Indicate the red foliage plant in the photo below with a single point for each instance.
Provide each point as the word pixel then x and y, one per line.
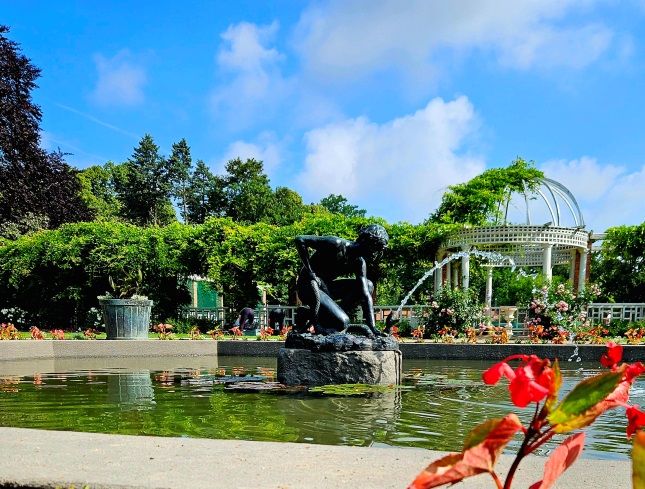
pixel 536 380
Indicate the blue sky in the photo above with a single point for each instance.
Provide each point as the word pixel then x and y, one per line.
pixel 384 102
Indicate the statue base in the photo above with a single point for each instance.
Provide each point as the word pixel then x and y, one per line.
pixel 339 358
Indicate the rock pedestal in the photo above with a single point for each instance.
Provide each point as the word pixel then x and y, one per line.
pixel 340 358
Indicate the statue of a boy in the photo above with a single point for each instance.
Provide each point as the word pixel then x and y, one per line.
pixel 333 279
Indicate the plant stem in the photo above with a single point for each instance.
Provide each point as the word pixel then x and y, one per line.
pixel 496 479
pixel 521 453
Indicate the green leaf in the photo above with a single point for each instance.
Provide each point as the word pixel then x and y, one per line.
pixel 585 396
pixel 638 461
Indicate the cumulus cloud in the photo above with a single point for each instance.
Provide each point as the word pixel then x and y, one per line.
pixel 252 83
pixel 608 195
pixel 587 179
pixel 398 169
pixel 267 151
pixel 120 80
pixel 350 37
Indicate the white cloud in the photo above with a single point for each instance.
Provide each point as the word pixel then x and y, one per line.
pixel 255 85
pixel 351 37
pixel 266 151
pixel 397 170
pixel 608 195
pixel 120 80
pixel 587 179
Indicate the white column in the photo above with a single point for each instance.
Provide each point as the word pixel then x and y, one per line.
pixel 582 271
pixel 438 276
pixel 449 274
pixel 455 275
pixel 489 289
pixel 465 269
pixel 546 262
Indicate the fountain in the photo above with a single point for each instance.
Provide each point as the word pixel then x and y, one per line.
pixel 325 348
pixel 494 257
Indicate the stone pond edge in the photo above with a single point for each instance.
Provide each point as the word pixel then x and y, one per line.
pixel 69 349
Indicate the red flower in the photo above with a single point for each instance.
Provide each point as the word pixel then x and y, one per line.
pixel 613 355
pixel 635 420
pixel 530 382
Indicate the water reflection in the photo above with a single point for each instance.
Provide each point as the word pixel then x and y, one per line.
pixel 131 390
pixel 185 397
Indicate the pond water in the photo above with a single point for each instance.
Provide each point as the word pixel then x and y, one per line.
pixel 184 397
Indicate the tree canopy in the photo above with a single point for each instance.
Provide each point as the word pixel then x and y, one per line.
pixel 339 205
pixel 39 190
pixel 485 198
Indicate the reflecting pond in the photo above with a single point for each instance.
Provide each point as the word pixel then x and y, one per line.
pixel 191 396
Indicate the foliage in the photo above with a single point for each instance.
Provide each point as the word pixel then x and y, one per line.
pixel 409 256
pixel 183 325
pixel 9 332
pixel 98 191
pixel 455 309
pixel 202 195
pixel 246 190
pixel 556 311
pixel 338 204
pixel 619 269
pixel 535 380
pixel 144 184
pixel 164 331
pixel 38 187
pixel 55 276
pixel 179 165
pixel 485 198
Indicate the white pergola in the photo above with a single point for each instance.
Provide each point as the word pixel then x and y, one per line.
pixel 527 245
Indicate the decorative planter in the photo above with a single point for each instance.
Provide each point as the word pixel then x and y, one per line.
pixel 126 319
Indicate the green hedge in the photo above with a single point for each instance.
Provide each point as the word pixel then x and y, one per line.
pixel 56 276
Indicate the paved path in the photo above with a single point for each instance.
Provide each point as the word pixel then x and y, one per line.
pixel 49 459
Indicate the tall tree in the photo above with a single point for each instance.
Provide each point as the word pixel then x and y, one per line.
pixel 145 186
pixel 287 207
pixel 338 204
pixel 247 191
pixel 37 185
pixel 180 164
pixel 98 192
pixel 203 195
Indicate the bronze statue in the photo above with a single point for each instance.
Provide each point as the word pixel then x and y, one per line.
pixel 323 284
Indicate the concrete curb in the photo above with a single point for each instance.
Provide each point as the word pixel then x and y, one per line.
pixel 51 349
pixel 49 459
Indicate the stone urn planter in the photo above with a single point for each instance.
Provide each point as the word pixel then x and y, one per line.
pixel 508 314
pixel 126 319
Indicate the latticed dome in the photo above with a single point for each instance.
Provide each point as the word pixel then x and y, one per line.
pixel 550 202
pixel 542 228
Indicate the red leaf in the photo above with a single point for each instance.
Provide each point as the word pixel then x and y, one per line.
pixel 481 450
pixel 560 460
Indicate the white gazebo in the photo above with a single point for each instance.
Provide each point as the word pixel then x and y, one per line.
pixel 560 238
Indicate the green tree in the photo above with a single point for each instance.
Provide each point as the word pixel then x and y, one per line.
pixel 39 189
pixel 98 191
pixel 339 205
pixel 287 207
pixel 619 269
pixel 247 191
pixel 180 164
pixel 204 194
pixel 485 198
pixel 144 186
